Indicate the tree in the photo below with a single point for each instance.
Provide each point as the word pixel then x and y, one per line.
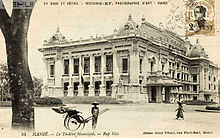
pixel 15 31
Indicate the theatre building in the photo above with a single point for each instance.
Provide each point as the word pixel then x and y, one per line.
pixel 140 63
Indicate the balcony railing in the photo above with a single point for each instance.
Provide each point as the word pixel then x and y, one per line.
pixel 65 75
pixel 108 72
pixel 97 73
pixel 194 81
pixel 75 74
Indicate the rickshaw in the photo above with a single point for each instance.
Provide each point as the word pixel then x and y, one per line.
pixel 73 121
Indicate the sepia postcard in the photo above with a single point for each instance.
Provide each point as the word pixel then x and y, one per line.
pixel 109 68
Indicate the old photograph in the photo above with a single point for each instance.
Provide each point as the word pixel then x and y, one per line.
pixel 109 68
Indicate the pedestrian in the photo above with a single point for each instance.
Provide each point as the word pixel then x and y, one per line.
pixel 95 114
pixel 179 111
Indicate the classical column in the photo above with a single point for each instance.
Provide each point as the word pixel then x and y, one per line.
pixel 91 86
pixel 201 78
pixel 134 67
pixel 45 77
pixel 58 89
pixel 144 70
pixel 166 66
pixel 70 87
pixel 46 63
pixel 159 98
pixel 80 86
pixel 145 66
pixel 190 88
pixel 159 65
pixel 102 86
pixel 116 73
pixel 58 71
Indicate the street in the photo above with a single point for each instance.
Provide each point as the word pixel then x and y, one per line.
pixel 144 120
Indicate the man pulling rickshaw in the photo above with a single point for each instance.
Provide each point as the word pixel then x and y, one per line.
pixel 74 121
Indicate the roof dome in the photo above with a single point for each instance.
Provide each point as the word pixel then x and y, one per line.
pixel 197 50
pixel 58 37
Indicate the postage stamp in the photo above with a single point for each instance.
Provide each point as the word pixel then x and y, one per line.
pixel 200 16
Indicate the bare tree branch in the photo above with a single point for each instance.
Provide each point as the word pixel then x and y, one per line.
pixel 4 18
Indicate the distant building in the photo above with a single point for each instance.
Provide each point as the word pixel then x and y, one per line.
pixel 141 63
pixel 219 90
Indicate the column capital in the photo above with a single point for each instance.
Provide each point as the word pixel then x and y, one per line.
pixel 114 51
pixel 57 58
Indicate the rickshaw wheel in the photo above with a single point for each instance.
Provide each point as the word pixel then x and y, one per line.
pixel 66 122
pixel 74 122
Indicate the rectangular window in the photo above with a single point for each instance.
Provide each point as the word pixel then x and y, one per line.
pixel 151 66
pixel 86 65
pixel 141 61
pixel 125 65
pixel 76 66
pixel 163 66
pixel 170 65
pixel 109 63
pixel 209 78
pixel 194 98
pixel 194 88
pixel 173 74
pixel 51 70
pixel 178 75
pixel 97 88
pixel 214 79
pixel 98 64
pixel 194 78
pixel 66 66
pixel 178 65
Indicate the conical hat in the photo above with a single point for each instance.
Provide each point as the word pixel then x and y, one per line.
pixel 95 103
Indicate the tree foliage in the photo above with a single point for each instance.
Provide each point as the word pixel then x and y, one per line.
pixel 4 84
pixel 38 83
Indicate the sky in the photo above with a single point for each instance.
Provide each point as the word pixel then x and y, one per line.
pixel 76 21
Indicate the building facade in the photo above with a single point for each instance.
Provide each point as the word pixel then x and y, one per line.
pixel 140 63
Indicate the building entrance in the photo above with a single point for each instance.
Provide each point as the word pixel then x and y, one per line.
pixel 153 94
pixel 86 88
pixel 109 88
pixel 65 88
pixel 207 97
pixel 75 88
pixel 97 88
pixel 167 94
